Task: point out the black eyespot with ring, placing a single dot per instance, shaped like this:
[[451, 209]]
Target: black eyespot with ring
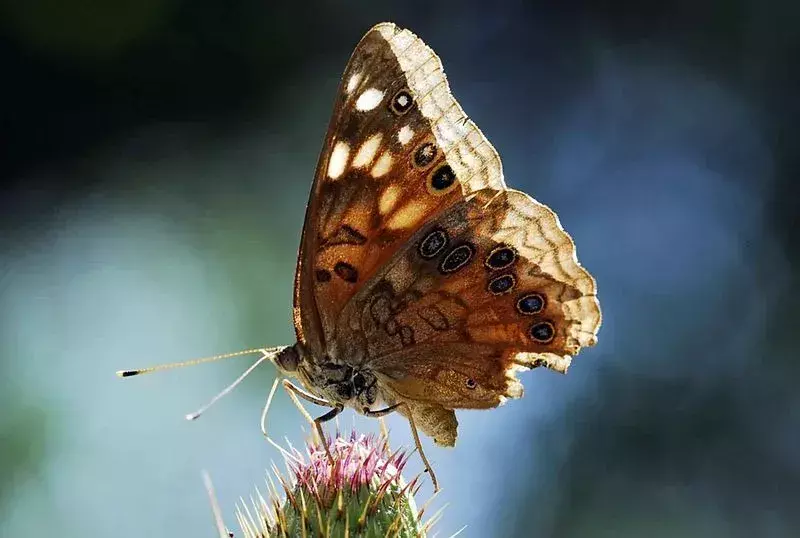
[[502, 284], [457, 258], [543, 332], [471, 383], [442, 179], [501, 257], [531, 304], [424, 155], [433, 244], [401, 102]]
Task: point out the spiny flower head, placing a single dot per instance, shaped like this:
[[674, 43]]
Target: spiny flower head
[[357, 491]]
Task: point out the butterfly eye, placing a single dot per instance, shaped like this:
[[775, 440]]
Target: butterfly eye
[[543, 332], [530, 304], [471, 383], [401, 102]]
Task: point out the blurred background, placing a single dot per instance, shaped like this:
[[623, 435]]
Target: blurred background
[[156, 160]]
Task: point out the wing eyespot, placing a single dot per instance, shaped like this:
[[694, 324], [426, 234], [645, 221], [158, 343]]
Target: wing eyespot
[[500, 257], [530, 304], [402, 102], [442, 180], [502, 284], [433, 244], [542, 332], [424, 155], [457, 258]]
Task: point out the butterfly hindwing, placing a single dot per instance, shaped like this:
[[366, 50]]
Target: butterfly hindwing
[[487, 288], [399, 150], [433, 420]]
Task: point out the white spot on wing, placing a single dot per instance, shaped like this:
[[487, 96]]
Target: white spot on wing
[[338, 159], [353, 82], [405, 135], [367, 151], [402, 101], [383, 165], [369, 99]]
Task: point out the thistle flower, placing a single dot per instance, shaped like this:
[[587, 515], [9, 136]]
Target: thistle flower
[[361, 493]]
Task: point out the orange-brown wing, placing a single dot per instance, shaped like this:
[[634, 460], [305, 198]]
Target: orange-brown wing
[[399, 150], [491, 286]]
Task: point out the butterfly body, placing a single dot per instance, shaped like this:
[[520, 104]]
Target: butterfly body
[[337, 382], [423, 283]]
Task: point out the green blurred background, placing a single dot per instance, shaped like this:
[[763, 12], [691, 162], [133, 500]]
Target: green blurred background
[[157, 156]]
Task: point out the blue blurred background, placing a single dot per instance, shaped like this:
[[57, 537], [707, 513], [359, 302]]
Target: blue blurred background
[[156, 160]]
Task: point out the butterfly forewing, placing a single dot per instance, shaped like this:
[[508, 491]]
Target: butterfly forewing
[[399, 150]]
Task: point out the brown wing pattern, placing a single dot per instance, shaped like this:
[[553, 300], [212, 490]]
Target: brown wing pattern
[[399, 150], [490, 286], [416, 261]]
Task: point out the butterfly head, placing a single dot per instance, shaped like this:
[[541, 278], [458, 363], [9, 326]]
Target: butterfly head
[[288, 358]]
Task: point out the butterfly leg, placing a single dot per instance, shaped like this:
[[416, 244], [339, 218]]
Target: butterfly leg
[[417, 442], [291, 387], [266, 407], [295, 391], [330, 415], [381, 412]]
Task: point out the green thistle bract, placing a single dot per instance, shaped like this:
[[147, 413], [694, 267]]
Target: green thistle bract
[[362, 494]]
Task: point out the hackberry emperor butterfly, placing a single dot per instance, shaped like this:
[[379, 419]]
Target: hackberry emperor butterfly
[[423, 284]]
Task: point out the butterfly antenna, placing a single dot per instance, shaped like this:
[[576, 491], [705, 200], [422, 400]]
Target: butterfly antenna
[[268, 355], [151, 369]]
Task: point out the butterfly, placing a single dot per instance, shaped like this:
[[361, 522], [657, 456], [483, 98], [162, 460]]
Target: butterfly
[[423, 283]]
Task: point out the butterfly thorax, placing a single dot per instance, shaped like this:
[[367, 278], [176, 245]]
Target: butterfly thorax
[[334, 381]]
